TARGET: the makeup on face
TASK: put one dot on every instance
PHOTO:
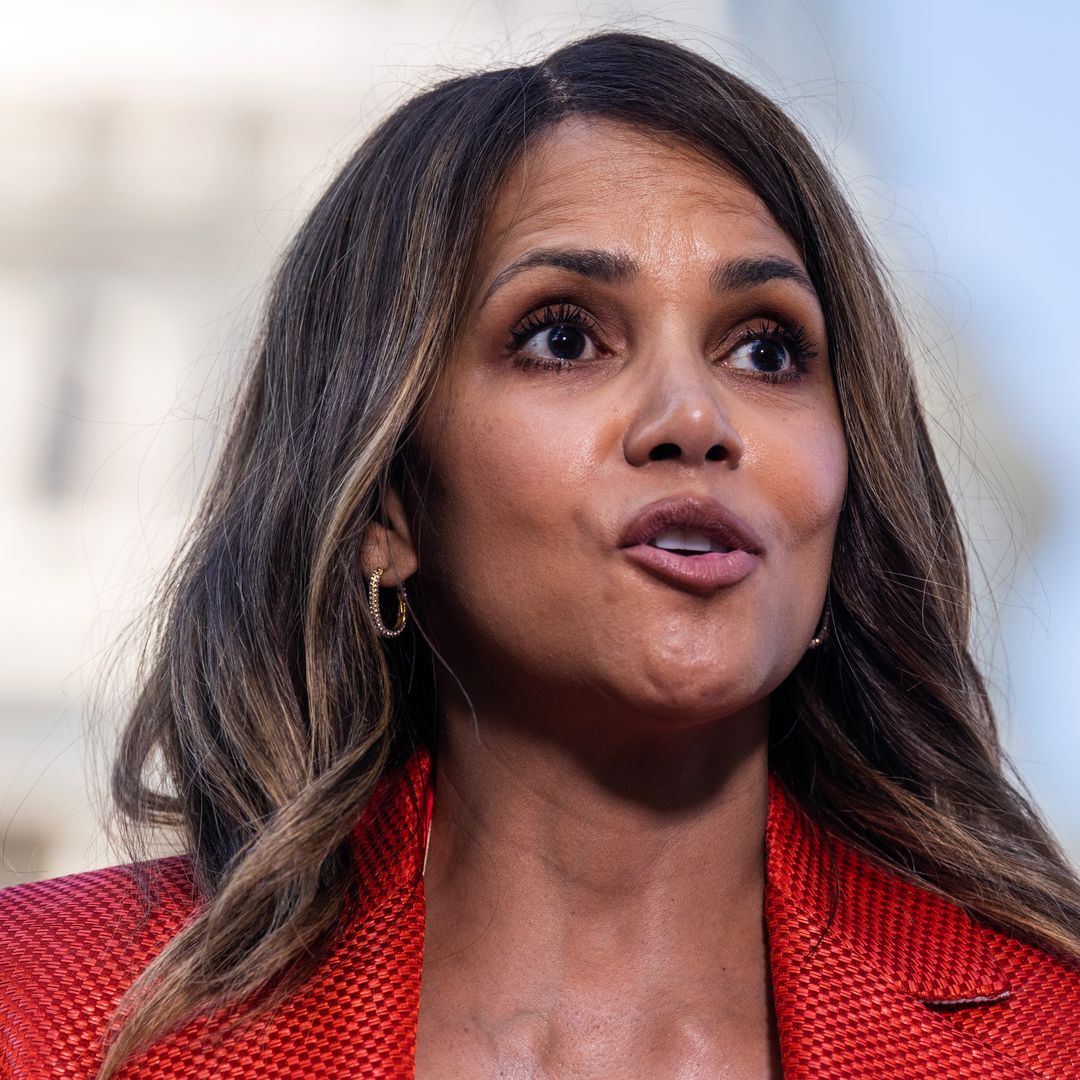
(637, 461)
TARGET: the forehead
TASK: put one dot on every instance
(592, 182)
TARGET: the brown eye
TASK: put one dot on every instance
(559, 335)
(768, 355)
(772, 350)
(562, 342)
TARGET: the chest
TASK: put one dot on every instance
(542, 1030)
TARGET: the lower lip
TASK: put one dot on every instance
(698, 573)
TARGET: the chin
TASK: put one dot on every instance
(688, 695)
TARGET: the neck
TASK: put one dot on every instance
(640, 855)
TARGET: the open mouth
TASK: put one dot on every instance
(688, 542)
(692, 543)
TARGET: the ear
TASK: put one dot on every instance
(389, 543)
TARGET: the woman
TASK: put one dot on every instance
(672, 760)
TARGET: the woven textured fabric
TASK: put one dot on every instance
(69, 949)
(872, 977)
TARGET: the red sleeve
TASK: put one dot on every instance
(69, 949)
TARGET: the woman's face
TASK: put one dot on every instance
(634, 458)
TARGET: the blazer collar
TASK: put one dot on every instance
(921, 944)
(869, 971)
(865, 967)
(390, 839)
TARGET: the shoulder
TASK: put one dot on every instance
(855, 947)
(69, 949)
(117, 911)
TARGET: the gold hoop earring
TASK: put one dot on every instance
(822, 634)
(376, 610)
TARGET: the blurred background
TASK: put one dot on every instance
(158, 154)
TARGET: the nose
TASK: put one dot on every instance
(681, 416)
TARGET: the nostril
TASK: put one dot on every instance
(716, 453)
(663, 451)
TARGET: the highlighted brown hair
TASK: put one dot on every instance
(269, 702)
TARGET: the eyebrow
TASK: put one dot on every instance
(608, 267)
(612, 268)
(737, 275)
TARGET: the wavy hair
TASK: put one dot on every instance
(269, 707)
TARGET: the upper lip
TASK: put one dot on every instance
(691, 512)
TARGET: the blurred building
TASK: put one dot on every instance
(157, 157)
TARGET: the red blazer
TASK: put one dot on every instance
(892, 983)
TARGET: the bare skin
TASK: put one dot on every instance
(595, 876)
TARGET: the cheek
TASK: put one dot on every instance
(507, 489)
(507, 531)
(518, 477)
(803, 469)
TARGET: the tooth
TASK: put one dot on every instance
(683, 540)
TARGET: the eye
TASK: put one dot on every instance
(775, 351)
(560, 342)
(556, 336)
(768, 355)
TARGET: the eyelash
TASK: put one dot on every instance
(791, 334)
(794, 336)
(555, 313)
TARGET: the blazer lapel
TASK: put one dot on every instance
(374, 1000)
(867, 968)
